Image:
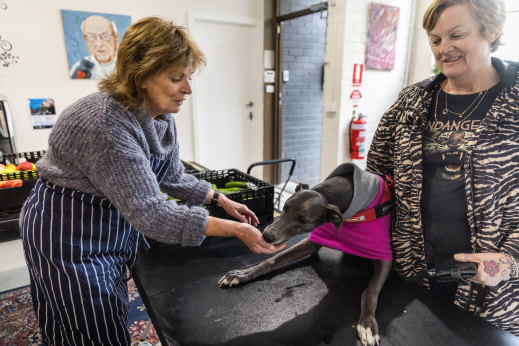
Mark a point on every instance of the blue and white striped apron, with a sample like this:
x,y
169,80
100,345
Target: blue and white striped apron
x,y
78,248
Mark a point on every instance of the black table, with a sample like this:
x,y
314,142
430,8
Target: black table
x,y
315,301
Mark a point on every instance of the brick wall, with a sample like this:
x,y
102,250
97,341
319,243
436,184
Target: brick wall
x,y
303,58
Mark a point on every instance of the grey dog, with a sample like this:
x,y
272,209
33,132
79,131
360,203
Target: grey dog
x,y
345,192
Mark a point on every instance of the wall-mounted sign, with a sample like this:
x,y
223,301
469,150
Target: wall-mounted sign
x,y
357,75
269,58
286,75
269,76
355,97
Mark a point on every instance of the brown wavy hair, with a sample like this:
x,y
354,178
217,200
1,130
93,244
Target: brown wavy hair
x,y
490,14
147,47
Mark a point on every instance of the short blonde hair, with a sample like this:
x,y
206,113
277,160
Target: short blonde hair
x,y
490,14
147,47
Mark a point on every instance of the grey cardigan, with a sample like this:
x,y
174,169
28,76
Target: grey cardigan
x,y
100,148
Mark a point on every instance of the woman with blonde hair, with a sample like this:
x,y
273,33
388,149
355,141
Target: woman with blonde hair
x,y
451,145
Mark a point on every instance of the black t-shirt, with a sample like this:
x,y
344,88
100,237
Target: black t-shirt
x,y
444,202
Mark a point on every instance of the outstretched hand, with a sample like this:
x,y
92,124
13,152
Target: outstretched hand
x,y
493,267
246,230
239,211
253,238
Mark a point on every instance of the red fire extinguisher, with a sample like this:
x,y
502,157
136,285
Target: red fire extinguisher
x,y
358,129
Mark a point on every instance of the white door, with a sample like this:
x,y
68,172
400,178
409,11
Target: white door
x,y
227,94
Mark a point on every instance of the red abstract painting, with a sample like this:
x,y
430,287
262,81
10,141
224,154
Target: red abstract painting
x,y
383,27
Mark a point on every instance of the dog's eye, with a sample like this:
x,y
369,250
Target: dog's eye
x,y
301,220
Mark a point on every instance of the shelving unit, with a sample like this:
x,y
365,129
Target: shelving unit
x,y
6,129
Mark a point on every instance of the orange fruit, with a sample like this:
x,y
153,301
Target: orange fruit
x,y
10,168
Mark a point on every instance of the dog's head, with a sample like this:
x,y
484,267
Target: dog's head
x,y
303,212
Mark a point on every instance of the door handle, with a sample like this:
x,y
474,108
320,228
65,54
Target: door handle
x,y
250,104
250,115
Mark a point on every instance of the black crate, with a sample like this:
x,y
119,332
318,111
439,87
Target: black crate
x,y
14,158
259,199
14,197
189,168
25,175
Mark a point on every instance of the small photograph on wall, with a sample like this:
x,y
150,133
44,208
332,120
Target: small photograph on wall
x,y
43,113
383,27
92,40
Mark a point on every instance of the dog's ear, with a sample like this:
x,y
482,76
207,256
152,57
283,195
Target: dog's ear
x,y
302,186
334,215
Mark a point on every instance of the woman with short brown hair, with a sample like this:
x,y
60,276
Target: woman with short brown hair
x,y
110,156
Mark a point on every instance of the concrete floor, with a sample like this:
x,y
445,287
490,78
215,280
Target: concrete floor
x,y
13,270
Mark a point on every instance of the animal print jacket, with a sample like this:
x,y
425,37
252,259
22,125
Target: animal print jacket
x,y
491,183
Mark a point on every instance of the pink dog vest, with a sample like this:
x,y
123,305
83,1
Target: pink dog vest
x,y
365,239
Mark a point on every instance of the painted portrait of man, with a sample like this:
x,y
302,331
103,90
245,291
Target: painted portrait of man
x,y
92,40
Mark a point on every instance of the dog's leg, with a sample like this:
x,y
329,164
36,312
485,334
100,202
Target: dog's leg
x,y
301,249
367,328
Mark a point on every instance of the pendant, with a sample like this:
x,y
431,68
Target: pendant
x,y
444,112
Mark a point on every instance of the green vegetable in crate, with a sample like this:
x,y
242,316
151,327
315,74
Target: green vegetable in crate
x,y
232,186
240,184
226,191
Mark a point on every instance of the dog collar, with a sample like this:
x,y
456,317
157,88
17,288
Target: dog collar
x,y
383,208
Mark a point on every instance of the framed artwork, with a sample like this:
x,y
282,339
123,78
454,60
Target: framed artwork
x,y
92,40
43,113
383,27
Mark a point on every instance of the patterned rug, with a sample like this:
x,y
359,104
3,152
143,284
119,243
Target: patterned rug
x,y
18,325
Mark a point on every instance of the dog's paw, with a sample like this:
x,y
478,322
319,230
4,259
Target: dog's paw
x,y
234,277
366,336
